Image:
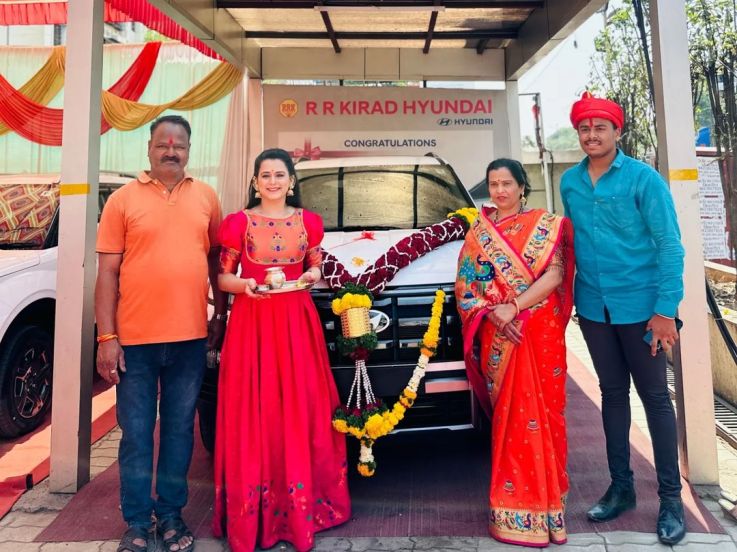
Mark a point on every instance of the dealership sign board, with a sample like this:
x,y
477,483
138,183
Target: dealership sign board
x,y
467,128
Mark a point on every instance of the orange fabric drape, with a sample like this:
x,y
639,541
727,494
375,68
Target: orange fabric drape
x,y
127,115
43,125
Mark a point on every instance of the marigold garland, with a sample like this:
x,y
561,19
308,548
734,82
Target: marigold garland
x,y
376,419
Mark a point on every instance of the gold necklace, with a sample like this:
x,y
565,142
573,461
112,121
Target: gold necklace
x,y
519,212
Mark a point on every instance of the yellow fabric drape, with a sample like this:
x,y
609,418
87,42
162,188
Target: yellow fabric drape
x,y
45,83
128,115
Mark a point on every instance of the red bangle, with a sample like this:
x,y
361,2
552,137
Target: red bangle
x,y
516,306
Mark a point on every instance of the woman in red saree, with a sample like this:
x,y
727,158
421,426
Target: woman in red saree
x,y
280,468
514,295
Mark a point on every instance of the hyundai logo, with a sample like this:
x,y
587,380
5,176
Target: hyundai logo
x,y
444,121
380,321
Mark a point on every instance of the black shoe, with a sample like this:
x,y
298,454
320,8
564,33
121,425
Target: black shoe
x,y
615,501
671,527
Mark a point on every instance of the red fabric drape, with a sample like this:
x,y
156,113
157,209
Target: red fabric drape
x,y
43,125
55,13
141,10
47,13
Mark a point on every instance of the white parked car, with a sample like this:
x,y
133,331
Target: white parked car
x,y
388,198
28,251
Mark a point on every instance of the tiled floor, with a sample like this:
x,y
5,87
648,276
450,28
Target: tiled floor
x,y
38,508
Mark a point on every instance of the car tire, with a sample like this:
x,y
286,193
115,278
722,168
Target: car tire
x,y
26,370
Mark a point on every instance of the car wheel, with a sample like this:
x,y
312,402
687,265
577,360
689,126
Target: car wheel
x,y
26,364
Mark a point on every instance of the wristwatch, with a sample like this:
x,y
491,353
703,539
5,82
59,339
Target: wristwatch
x,y
220,317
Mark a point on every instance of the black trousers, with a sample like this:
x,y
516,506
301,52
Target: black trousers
x,y
618,352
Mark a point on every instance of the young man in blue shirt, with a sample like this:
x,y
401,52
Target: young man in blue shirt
x,y
629,280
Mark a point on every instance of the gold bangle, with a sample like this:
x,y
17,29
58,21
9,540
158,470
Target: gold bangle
x,y
516,306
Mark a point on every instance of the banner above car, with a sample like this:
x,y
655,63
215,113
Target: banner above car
x,y
467,128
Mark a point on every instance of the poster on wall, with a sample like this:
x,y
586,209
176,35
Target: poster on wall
x,y
467,128
712,209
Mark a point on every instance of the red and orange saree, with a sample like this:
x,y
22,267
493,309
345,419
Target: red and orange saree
x,y
521,387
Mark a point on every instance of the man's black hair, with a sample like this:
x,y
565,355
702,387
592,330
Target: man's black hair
x,y
173,119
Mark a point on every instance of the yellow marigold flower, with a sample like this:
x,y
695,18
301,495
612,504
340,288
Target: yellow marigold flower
x,y
365,471
398,409
358,261
336,304
373,422
340,425
391,418
356,432
427,352
409,393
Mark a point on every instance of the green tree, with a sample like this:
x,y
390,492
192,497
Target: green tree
x,y
562,139
713,52
621,71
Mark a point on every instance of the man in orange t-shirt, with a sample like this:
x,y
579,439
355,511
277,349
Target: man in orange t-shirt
x,y
157,246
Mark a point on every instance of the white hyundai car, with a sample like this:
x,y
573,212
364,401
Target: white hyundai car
x,y
29,212
368,204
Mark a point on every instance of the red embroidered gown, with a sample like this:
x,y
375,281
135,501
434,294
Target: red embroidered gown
x,y
280,468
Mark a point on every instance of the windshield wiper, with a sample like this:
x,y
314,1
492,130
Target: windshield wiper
x,y
368,228
18,246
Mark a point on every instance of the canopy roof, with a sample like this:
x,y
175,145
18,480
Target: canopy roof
x,y
382,39
351,39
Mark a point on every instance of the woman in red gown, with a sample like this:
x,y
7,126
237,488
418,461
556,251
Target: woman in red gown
x,y
280,468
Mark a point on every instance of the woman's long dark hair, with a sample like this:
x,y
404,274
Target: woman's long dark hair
x,y
284,157
515,167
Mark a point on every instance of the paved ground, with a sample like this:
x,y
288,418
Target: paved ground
x,y
37,508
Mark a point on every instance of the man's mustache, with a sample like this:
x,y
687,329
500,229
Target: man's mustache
x,y
170,158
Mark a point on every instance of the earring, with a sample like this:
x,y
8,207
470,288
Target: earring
x,y
523,201
257,195
290,192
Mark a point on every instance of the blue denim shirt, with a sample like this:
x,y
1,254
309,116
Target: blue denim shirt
x,y
629,257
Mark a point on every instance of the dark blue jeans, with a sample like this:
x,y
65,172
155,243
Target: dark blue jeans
x,y
618,352
177,368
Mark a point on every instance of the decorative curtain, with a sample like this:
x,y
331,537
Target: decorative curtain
x,y
233,162
46,83
255,142
124,114
178,69
43,125
28,12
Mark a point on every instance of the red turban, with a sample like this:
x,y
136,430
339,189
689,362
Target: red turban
x,y
589,107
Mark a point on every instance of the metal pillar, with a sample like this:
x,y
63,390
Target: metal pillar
x,y
515,134
677,159
75,280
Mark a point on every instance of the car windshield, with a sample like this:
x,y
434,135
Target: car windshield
x,y
382,197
